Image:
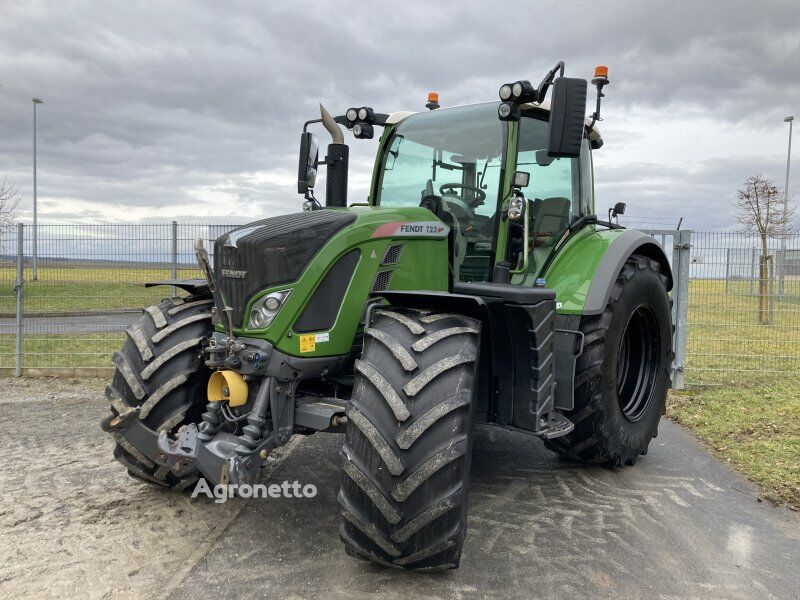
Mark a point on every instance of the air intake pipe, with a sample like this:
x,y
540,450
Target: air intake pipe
x,y
337,161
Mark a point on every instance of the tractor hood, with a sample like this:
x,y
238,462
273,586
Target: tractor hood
x,y
271,252
315,254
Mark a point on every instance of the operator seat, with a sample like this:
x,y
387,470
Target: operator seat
x,y
549,220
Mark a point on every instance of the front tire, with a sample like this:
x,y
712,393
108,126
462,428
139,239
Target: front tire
x,y
407,452
160,370
622,377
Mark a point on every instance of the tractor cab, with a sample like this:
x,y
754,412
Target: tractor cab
x,y
509,178
466,165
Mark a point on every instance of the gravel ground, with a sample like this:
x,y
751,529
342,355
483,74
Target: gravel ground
x,y
73,523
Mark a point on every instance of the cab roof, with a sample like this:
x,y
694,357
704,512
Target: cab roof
x,y
594,133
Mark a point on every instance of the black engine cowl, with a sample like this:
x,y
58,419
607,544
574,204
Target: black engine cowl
x,y
270,252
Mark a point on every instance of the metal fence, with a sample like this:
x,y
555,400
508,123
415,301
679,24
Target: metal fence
x,y
736,307
744,307
68,308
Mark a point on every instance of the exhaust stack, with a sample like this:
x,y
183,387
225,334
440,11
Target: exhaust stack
x,y
337,161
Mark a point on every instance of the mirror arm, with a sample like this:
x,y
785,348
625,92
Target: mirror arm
x,y
311,122
311,200
541,91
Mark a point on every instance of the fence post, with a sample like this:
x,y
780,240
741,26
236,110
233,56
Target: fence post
x,y
174,255
771,290
680,294
752,270
727,268
18,293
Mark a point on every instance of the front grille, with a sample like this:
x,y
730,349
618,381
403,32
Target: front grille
x,y
382,280
392,255
271,252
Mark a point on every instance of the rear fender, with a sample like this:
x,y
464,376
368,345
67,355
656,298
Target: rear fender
x,y
584,269
628,243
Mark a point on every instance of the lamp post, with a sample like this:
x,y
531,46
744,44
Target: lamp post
x,y
789,120
35,248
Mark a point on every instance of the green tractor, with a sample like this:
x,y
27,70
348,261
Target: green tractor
x,y
475,284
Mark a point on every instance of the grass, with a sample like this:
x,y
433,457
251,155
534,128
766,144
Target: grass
x,y
80,288
752,425
62,350
743,399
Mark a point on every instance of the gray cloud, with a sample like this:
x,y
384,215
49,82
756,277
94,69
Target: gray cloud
x,y
195,109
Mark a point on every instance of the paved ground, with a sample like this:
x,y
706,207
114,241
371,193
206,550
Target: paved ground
x,y
679,524
97,323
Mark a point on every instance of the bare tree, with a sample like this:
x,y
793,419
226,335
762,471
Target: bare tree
x,y
760,210
9,204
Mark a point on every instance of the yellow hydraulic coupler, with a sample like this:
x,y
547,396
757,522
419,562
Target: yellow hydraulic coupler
x,y
227,386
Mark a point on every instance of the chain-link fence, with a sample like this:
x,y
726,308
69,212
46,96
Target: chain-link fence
x,y
739,311
744,307
66,304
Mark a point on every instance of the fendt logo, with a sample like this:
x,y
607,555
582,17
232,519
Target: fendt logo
x,y
234,274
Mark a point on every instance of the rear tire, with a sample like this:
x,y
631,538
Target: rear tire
x,y
160,370
622,377
407,452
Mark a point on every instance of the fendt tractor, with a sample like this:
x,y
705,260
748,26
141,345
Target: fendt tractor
x,y
475,284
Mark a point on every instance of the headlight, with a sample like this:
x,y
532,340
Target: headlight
x,y
523,91
257,319
516,208
365,113
272,303
265,308
505,91
363,131
352,114
508,111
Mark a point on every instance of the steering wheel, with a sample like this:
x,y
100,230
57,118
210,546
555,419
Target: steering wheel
x,y
449,188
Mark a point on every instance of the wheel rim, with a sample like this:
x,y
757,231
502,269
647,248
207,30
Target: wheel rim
x,y
638,363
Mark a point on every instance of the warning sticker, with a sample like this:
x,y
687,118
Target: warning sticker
x,y
308,343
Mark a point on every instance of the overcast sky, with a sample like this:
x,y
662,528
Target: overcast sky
x,y
189,110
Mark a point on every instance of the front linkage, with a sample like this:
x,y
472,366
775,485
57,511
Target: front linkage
x,y
223,457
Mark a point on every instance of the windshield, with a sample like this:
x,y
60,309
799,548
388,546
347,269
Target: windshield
x,y
454,159
454,152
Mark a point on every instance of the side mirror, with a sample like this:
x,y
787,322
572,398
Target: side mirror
x,y
567,114
309,159
619,209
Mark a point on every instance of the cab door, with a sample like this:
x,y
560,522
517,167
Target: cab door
x,y
558,191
